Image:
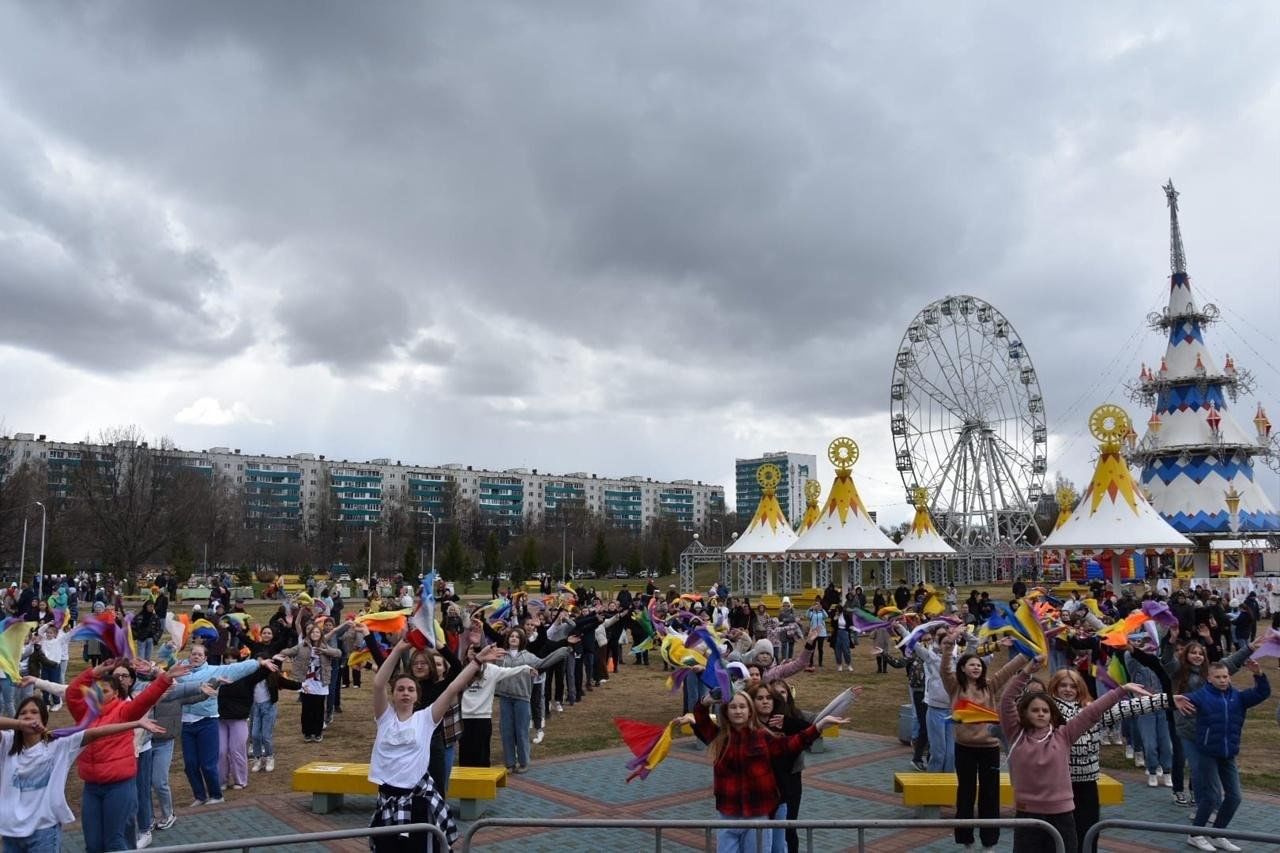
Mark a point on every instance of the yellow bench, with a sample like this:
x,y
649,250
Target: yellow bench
x,y
926,792
327,782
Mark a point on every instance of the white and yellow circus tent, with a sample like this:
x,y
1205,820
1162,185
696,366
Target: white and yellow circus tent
x,y
769,534
1113,514
765,541
923,539
843,531
812,491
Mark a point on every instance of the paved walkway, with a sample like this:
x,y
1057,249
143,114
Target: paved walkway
x,y
852,779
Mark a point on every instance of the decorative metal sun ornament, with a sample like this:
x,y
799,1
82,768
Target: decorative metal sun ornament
x,y
920,497
812,491
843,453
1109,423
768,476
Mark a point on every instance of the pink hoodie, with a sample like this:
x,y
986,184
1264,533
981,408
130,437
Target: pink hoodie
x,y
1040,764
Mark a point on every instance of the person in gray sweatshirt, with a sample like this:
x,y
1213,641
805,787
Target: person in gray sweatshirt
x,y
514,695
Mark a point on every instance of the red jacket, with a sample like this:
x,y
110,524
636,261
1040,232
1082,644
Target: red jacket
x,y
111,759
743,775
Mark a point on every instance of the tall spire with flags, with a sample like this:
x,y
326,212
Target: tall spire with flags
x,y
1177,255
1195,452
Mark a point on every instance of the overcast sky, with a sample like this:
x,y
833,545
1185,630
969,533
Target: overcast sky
x,y
615,237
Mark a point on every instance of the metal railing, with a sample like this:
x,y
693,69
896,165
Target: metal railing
x,y
246,844
1095,831
760,825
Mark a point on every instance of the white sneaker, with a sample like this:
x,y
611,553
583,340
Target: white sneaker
x,y
1153,781
1167,781
213,801
167,822
256,766
1200,842
1128,752
144,840
1224,844
537,736
1139,761
559,708
197,803
271,764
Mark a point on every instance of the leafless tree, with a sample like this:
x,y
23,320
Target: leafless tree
x,y
130,500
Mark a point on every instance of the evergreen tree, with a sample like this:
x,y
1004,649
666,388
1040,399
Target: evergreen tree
x,y
600,556
409,564
664,558
528,565
455,563
635,561
492,556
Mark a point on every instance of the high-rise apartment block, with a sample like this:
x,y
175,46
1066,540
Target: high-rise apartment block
x,y
797,469
283,492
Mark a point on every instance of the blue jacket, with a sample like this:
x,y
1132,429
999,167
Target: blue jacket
x,y
208,672
1220,715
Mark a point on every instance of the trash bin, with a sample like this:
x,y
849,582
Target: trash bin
x,y
906,722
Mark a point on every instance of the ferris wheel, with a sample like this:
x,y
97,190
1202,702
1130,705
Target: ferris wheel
x,y
968,424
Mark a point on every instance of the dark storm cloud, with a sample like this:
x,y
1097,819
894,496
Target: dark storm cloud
x,y
756,199
94,273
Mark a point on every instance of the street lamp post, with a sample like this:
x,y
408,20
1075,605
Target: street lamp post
x,y
44,519
22,559
431,516
564,537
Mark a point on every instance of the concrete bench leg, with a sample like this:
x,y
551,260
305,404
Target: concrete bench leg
x,y
325,803
468,809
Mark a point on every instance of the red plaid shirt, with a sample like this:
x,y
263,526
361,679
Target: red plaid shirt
x,y
744,780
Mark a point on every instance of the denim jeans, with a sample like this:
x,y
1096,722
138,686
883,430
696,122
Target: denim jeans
x,y
161,759
450,755
778,837
694,690
1156,746
146,763
145,648
514,728
262,725
200,758
941,745
47,840
8,702
334,699
742,840
788,647
1210,773
108,812
843,656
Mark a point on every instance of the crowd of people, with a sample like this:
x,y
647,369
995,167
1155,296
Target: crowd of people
x,y
977,692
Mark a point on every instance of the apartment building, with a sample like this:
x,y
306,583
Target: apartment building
x,y
797,469
283,492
